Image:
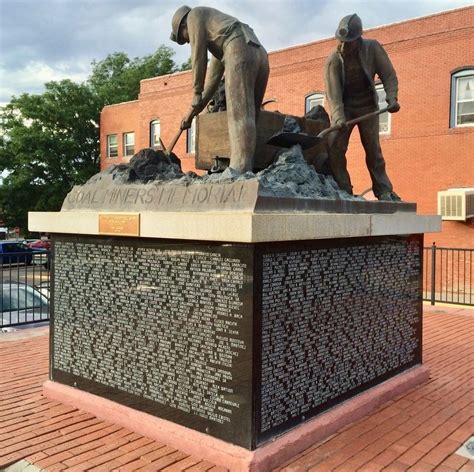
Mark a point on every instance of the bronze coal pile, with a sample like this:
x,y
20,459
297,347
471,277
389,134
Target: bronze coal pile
x,y
289,177
147,165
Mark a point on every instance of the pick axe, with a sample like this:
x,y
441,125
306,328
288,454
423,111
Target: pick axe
x,y
187,118
352,122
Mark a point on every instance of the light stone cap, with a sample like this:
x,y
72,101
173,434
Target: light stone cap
x,y
245,227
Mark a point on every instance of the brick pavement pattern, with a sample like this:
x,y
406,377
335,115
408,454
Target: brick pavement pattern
x,y
419,431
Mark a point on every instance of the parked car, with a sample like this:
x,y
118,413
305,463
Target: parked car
x,y
41,248
13,252
41,257
43,287
40,244
21,303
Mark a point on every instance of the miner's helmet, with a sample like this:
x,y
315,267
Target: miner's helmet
x,y
178,18
349,29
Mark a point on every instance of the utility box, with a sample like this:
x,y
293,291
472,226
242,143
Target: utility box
x,y
456,204
212,138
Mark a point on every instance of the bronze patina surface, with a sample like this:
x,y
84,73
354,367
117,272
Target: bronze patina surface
x,y
349,76
235,49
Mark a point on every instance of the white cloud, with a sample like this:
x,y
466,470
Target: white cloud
x,y
32,77
48,40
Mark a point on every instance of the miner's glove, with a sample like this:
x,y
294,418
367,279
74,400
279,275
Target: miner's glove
x,y
341,123
185,124
393,105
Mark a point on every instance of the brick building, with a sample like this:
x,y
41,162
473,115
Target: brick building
x,y
428,145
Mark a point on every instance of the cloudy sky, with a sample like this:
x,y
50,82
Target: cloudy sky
x,y
43,40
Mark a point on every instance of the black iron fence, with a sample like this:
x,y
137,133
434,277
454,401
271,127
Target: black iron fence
x,y
447,275
24,288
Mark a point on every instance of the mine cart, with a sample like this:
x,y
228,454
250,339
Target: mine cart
x,y
213,146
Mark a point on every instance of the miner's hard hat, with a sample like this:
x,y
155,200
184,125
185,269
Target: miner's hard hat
x,y
349,29
178,18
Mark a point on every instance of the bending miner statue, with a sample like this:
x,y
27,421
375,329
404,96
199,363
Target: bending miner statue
x,y
349,78
235,49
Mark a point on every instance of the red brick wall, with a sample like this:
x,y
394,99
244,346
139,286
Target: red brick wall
x,y
423,154
168,99
118,119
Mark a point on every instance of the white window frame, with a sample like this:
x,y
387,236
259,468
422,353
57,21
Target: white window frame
x,y
111,147
383,104
126,144
317,98
155,143
191,138
455,77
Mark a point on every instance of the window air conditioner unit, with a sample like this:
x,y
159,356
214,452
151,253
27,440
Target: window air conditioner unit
x,y
456,204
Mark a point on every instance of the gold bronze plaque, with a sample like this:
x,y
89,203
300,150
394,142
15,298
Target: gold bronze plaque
x,y
120,224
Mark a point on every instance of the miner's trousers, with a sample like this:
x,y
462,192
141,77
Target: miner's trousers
x,y
246,76
369,135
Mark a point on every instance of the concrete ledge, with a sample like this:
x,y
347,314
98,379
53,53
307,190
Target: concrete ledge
x,y
236,458
404,223
245,227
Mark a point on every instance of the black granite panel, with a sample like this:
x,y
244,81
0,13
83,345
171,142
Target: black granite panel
x,y
337,318
240,341
162,326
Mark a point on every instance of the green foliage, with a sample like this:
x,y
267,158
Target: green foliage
x,y
50,142
117,78
186,65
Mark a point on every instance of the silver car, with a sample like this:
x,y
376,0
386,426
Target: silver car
x,y
21,304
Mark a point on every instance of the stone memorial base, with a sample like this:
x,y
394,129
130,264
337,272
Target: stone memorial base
x,y
245,347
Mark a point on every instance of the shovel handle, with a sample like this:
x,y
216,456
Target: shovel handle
x,y
188,117
352,122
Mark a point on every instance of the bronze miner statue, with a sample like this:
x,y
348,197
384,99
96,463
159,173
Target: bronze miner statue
x,y
349,78
236,50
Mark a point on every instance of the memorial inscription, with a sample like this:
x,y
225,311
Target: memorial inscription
x,y
182,330
335,320
160,322
109,196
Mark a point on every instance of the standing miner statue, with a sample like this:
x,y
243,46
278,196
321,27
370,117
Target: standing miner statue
x,y
349,77
235,49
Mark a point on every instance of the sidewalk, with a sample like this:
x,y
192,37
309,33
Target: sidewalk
x,y
420,431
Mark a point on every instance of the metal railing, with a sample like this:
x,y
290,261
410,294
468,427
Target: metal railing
x,y
448,275
24,288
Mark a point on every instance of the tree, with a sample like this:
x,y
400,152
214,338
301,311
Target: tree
x,y
50,142
117,78
186,65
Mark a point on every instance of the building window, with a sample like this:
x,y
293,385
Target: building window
x,y
112,145
128,144
191,138
313,100
385,119
462,98
155,132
